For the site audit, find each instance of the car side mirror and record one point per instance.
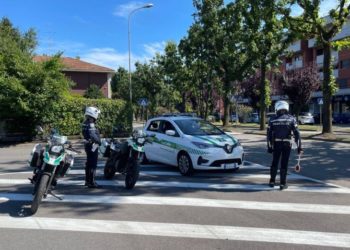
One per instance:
(170, 132)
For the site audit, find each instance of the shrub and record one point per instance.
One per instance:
(68, 115)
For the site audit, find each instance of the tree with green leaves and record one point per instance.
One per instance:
(120, 84)
(174, 72)
(217, 44)
(28, 90)
(200, 65)
(271, 38)
(310, 24)
(93, 92)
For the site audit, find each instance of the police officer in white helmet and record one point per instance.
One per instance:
(279, 141)
(92, 141)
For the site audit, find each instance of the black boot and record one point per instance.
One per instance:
(87, 176)
(271, 183)
(283, 186)
(92, 183)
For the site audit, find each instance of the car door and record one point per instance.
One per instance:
(152, 149)
(168, 144)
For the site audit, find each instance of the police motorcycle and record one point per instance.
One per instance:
(50, 162)
(124, 155)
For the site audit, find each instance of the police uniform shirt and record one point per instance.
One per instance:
(90, 132)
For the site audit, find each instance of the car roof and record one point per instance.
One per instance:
(175, 117)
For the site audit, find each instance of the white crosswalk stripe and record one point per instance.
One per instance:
(252, 177)
(193, 202)
(180, 230)
(194, 185)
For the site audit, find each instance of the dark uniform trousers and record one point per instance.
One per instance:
(91, 163)
(281, 148)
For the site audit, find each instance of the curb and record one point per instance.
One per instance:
(308, 137)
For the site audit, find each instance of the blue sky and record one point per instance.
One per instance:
(96, 30)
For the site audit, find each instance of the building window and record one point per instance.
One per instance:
(343, 83)
(345, 64)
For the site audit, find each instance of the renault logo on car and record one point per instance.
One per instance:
(228, 148)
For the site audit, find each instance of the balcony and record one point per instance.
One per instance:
(294, 65)
(335, 73)
(335, 56)
(295, 47)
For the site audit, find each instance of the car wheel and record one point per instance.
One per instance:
(185, 164)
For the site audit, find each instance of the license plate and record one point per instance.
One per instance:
(230, 165)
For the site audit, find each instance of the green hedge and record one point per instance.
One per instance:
(68, 115)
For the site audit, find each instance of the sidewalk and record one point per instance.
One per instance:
(340, 133)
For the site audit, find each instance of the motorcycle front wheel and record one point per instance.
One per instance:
(109, 170)
(132, 175)
(39, 193)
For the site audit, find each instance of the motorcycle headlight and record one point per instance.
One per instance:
(203, 145)
(140, 140)
(56, 149)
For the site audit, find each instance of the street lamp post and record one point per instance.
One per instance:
(149, 5)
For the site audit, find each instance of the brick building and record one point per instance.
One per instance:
(84, 74)
(306, 52)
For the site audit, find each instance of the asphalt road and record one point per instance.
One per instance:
(211, 210)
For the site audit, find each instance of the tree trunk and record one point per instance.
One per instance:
(226, 110)
(183, 102)
(262, 96)
(327, 90)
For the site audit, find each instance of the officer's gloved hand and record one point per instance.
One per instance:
(269, 150)
(300, 150)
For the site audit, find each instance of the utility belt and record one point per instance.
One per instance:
(88, 142)
(283, 140)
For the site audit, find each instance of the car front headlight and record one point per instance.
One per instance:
(203, 145)
(56, 149)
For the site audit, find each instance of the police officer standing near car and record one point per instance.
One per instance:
(279, 141)
(92, 141)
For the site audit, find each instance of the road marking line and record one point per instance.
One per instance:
(192, 202)
(180, 230)
(293, 175)
(194, 185)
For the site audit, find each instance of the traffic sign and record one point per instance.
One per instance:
(320, 101)
(143, 102)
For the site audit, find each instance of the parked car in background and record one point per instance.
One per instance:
(269, 115)
(306, 118)
(234, 117)
(341, 118)
(191, 143)
(254, 117)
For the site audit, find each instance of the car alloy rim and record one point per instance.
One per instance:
(183, 164)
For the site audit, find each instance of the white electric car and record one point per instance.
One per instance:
(191, 143)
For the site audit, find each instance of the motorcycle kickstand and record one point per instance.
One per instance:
(54, 195)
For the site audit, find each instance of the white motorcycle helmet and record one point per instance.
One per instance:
(281, 105)
(93, 112)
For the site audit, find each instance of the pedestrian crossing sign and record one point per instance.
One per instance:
(143, 102)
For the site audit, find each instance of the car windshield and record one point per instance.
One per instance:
(197, 127)
(305, 114)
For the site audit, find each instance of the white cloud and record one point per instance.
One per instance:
(153, 48)
(114, 59)
(123, 10)
(49, 47)
(108, 57)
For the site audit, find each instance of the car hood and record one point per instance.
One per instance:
(219, 140)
